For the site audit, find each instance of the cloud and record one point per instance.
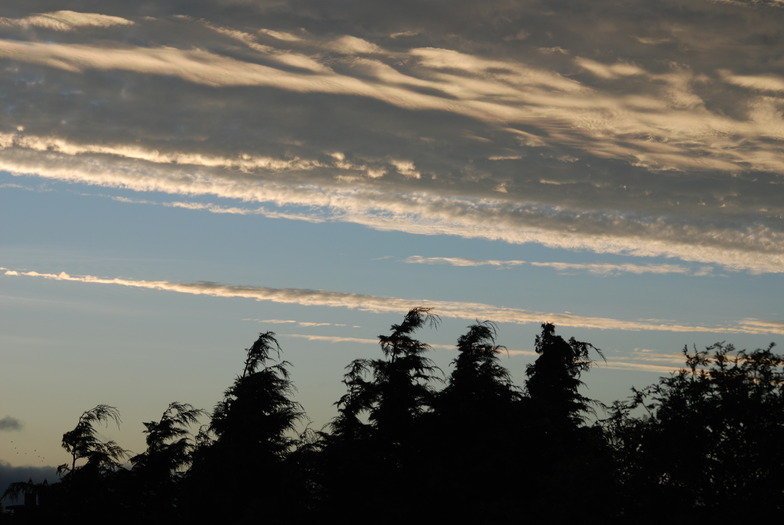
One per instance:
(593, 268)
(357, 340)
(640, 367)
(775, 327)
(614, 269)
(461, 261)
(9, 423)
(273, 321)
(506, 121)
(379, 304)
(12, 474)
(291, 321)
(513, 222)
(65, 20)
(635, 362)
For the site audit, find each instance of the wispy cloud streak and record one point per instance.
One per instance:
(593, 268)
(65, 21)
(356, 340)
(379, 304)
(610, 364)
(461, 261)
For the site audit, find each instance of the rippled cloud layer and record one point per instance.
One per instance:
(647, 129)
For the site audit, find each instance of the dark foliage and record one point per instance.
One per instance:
(239, 466)
(702, 444)
(158, 472)
(472, 466)
(706, 442)
(562, 453)
(553, 381)
(376, 443)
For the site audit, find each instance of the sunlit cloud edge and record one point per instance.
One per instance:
(379, 304)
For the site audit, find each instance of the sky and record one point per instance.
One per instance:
(177, 177)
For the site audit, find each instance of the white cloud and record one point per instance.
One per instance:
(461, 261)
(66, 20)
(379, 304)
(307, 324)
(272, 321)
(640, 367)
(357, 340)
(424, 213)
(594, 268)
(775, 327)
(609, 71)
(613, 269)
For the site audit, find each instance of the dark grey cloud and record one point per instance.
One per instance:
(9, 423)
(637, 128)
(9, 474)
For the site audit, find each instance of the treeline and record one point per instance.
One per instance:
(407, 446)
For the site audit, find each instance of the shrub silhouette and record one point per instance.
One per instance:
(706, 441)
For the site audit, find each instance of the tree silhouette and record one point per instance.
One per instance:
(83, 443)
(553, 380)
(478, 382)
(390, 393)
(158, 470)
(250, 433)
(564, 454)
(708, 441)
(168, 442)
(91, 482)
(376, 443)
(256, 412)
(475, 433)
(702, 444)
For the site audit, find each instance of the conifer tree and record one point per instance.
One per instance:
(376, 446)
(157, 472)
(243, 452)
(83, 443)
(92, 481)
(474, 434)
(553, 380)
(564, 454)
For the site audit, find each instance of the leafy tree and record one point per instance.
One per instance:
(386, 397)
(706, 441)
(391, 392)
